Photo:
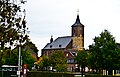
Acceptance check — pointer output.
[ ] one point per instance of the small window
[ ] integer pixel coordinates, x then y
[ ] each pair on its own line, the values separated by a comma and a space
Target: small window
50, 46
60, 45
70, 61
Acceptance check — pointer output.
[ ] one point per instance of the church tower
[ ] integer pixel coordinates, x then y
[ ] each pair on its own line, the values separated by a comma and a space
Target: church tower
77, 35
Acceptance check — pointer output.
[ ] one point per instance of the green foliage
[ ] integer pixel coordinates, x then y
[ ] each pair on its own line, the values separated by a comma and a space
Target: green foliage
12, 23
43, 63
10, 57
27, 58
56, 74
48, 74
32, 46
58, 61
104, 53
82, 58
12, 26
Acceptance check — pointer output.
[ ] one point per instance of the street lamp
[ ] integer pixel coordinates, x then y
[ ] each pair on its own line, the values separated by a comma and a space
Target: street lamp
19, 66
19, 58
21, 38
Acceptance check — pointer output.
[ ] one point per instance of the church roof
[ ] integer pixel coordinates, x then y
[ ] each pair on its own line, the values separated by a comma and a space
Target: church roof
59, 43
77, 22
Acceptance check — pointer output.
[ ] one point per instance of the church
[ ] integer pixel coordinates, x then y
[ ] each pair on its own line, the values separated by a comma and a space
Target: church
70, 45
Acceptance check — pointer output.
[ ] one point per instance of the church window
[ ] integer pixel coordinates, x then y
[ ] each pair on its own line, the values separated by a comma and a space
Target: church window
70, 61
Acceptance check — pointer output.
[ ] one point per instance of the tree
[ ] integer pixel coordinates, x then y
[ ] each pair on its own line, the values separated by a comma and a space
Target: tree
12, 24
58, 61
82, 60
27, 58
32, 46
11, 57
43, 63
104, 52
39, 63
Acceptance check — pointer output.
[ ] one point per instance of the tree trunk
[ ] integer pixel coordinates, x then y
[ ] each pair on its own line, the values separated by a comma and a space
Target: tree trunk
100, 71
92, 71
110, 72
115, 71
82, 71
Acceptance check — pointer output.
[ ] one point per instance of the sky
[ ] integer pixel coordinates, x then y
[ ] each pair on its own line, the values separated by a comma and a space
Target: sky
55, 17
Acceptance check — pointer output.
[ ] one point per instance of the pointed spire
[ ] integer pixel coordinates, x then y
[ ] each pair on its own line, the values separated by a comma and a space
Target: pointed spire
77, 22
77, 19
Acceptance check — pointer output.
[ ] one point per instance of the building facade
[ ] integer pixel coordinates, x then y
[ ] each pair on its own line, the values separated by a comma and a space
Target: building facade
70, 45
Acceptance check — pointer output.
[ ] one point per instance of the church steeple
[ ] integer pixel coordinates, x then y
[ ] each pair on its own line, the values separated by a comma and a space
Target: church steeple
77, 27
77, 22
77, 19
78, 34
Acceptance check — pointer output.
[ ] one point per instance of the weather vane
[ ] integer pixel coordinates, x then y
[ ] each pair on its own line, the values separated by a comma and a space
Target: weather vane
77, 11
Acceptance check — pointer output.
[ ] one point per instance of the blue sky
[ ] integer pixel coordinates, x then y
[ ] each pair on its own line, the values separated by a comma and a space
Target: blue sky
55, 17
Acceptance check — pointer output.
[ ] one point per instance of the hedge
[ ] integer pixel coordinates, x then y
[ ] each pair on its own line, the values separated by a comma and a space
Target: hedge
56, 74
97, 75
48, 74
8, 74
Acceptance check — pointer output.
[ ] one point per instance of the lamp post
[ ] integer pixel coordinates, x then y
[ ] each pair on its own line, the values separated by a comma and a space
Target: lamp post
19, 57
19, 66
21, 38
